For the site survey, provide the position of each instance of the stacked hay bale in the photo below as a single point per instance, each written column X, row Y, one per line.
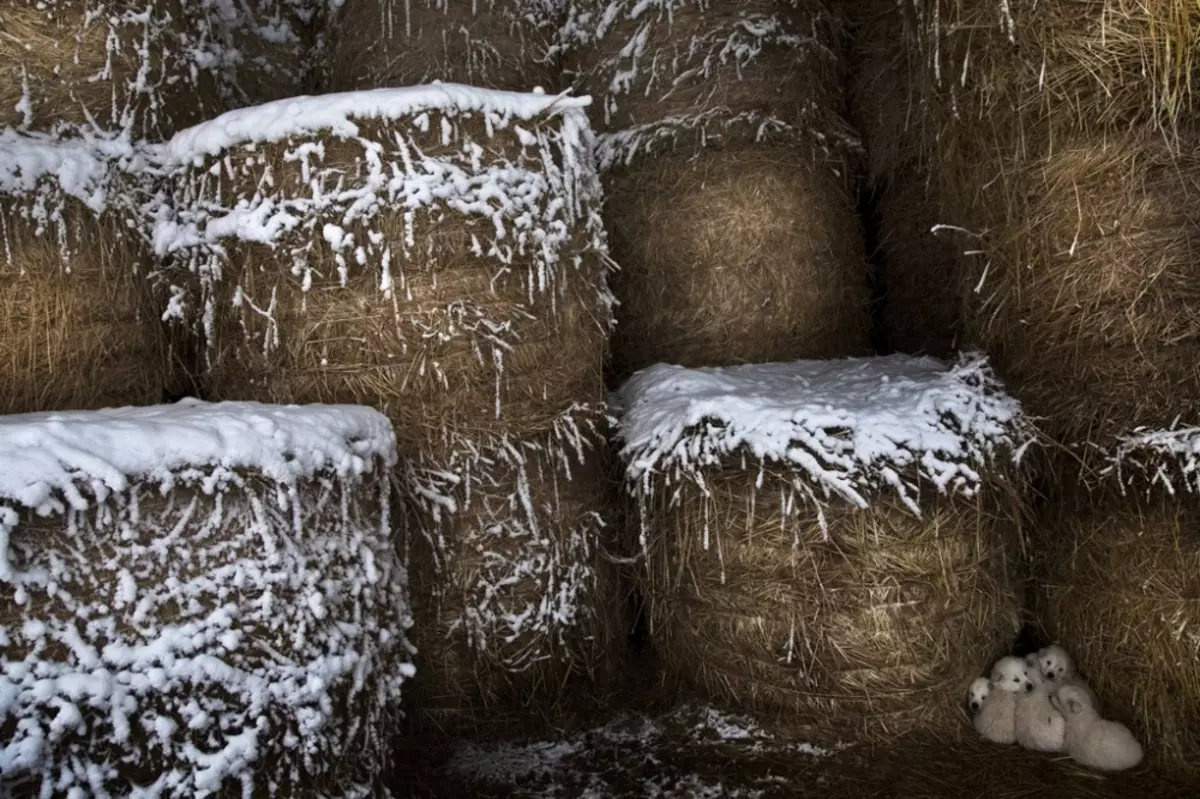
column 492, row 44
column 434, row 252
column 728, row 179
column 1118, row 589
column 223, row 615
column 829, row 541
column 920, row 263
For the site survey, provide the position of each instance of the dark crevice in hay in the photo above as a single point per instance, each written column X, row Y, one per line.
column 868, row 212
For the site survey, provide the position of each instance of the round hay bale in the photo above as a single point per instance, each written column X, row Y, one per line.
column 1089, row 301
column 514, row 597
column 748, row 254
column 491, row 44
column 78, row 328
column 922, row 270
column 434, row 252
column 808, row 555
column 221, row 616
column 116, row 64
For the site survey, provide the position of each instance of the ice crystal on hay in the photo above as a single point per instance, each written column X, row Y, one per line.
column 843, row 428
column 229, row 630
column 553, row 555
column 1157, row 458
column 532, row 202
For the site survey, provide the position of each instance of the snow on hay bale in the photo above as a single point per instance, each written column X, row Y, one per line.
column 198, row 599
column 512, row 583
column 116, row 64
column 77, row 327
column 486, row 43
column 1117, row 587
column 828, row 540
column 435, row 252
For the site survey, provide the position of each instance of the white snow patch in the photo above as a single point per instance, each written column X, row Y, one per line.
column 1162, row 458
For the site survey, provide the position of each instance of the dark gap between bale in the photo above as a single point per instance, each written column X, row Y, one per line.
column 734, row 256
column 876, row 630
column 110, row 63
column 496, row 45
column 516, row 603
column 1118, row 587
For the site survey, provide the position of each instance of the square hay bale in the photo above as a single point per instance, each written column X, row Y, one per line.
column 435, row 252
column 199, row 600
column 829, row 542
column 747, row 254
column 113, row 64
column 1117, row 586
column 78, row 325
column 513, row 590
column 487, row 43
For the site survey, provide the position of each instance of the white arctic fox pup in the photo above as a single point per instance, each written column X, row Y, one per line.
column 1040, row 726
column 996, row 719
column 1059, row 669
column 1091, row 740
column 978, row 692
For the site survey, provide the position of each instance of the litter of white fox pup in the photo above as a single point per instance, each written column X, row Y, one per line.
column 1042, row 703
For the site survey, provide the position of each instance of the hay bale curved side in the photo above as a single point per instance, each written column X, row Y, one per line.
column 245, row 611
column 740, row 255
column 514, row 597
column 116, row 64
column 78, row 326
column 435, row 252
column 829, row 542
column 491, row 44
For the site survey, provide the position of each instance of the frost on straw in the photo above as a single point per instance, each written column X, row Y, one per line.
column 406, row 245
column 210, row 590
column 511, row 586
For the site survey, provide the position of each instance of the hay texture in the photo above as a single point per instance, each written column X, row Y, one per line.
column 513, row 590
column 671, row 71
column 435, row 252
column 486, row 43
column 112, row 64
column 830, row 542
column 1086, row 296
column 78, row 329
column 198, row 600
column 1117, row 587
column 743, row 255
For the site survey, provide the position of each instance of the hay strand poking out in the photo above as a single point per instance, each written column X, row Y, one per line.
column 742, row 255
column 491, row 44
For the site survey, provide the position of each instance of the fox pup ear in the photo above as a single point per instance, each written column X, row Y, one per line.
column 1074, row 705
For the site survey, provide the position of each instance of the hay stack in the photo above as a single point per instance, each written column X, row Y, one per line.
column 223, row 615
column 1118, row 588
column 727, row 176
column 117, row 64
column 77, row 327
column 830, row 541
column 434, row 252
column 491, row 44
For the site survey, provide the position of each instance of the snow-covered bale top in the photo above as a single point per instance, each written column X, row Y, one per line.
column 77, row 326
column 1157, row 459
column 846, row 428
column 201, row 599
column 433, row 251
column 135, row 65
column 515, row 598
column 666, row 72
column 498, row 44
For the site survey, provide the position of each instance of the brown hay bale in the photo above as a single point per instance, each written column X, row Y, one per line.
column 222, row 615
column 851, row 611
column 460, row 290
column 514, row 598
column 118, row 64
column 1089, row 302
column 922, row 270
column 492, row 44
column 77, row 325
column 741, row 255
